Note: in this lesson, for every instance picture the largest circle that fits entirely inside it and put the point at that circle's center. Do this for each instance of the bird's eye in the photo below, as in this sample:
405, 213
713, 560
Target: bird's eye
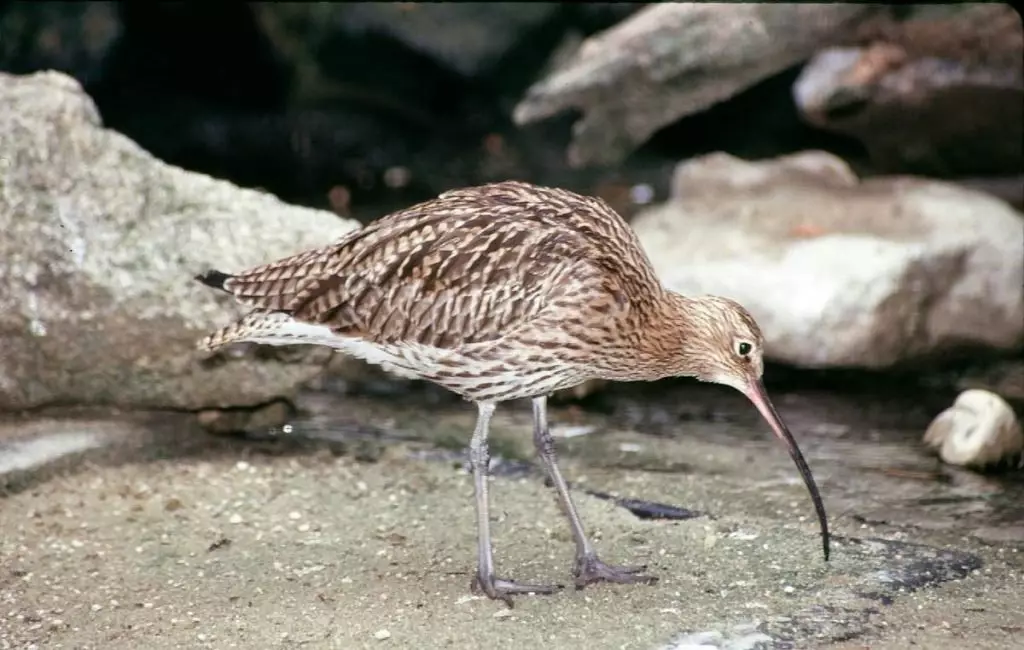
743, 348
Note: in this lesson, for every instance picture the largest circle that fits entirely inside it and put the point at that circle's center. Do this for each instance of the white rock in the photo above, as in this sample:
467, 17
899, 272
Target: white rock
979, 429
100, 242
838, 271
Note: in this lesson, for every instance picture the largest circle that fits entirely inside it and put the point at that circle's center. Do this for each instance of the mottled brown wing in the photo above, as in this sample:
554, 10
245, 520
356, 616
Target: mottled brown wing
464, 267
284, 283
471, 285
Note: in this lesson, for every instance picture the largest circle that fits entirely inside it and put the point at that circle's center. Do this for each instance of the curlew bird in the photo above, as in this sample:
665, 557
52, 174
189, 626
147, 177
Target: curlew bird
500, 292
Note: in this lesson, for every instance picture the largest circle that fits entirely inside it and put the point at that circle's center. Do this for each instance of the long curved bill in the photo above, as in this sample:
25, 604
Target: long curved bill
756, 393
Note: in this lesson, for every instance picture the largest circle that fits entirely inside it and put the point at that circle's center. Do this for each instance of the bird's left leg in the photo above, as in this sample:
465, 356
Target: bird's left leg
588, 567
485, 580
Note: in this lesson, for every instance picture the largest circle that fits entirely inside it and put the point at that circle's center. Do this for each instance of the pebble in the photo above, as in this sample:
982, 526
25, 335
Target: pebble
382, 634
572, 431
979, 429
235, 518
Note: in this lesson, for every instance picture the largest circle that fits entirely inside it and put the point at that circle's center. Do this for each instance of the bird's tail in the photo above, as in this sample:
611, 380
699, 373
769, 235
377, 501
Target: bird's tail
214, 279
257, 326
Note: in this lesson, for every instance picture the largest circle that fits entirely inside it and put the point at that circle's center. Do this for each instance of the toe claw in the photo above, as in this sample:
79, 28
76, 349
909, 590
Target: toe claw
503, 590
590, 569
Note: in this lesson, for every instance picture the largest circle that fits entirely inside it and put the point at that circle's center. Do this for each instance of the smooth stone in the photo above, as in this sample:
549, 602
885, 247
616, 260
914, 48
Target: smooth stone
980, 429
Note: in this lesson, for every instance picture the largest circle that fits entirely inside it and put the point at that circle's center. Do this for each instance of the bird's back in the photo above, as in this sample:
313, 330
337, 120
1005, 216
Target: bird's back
467, 267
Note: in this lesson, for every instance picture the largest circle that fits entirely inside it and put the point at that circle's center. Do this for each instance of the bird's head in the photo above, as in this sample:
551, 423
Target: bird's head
721, 343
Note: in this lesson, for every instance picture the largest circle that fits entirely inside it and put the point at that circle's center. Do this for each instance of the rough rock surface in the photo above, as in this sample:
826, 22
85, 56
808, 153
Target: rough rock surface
670, 60
843, 272
100, 242
939, 96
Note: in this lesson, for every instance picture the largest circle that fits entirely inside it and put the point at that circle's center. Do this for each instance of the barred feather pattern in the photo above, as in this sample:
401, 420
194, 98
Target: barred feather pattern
496, 292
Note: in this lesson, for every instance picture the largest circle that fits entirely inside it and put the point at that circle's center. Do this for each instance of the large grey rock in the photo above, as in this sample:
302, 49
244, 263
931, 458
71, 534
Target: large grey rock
99, 243
673, 59
938, 96
841, 271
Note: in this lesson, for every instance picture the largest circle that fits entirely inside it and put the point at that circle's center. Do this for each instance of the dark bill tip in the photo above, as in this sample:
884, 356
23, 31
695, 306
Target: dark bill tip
757, 394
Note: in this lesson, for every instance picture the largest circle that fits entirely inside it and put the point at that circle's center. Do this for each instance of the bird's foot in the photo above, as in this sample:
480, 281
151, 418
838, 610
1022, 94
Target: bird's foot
589, 568
501, 589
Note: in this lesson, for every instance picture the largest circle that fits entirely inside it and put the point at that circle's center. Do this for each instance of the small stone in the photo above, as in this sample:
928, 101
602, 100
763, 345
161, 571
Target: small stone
980, 429
235, 518
294, 515
382, 634
502, 614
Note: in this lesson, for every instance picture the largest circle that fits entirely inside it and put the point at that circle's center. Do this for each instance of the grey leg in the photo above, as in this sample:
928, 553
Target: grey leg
588, 567
479, 458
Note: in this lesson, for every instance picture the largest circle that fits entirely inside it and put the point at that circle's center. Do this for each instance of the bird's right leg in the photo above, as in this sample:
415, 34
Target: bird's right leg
589, 568
485, 581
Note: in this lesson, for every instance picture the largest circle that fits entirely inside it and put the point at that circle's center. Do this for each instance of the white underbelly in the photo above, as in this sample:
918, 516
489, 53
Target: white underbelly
461, 371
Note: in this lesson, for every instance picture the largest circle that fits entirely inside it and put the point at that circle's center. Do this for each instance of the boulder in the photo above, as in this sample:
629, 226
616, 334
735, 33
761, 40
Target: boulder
843, 272
99, 244
673, 59
937, 95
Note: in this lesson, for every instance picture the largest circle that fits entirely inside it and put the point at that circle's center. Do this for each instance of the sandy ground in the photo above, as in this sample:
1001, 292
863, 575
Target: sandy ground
235, 549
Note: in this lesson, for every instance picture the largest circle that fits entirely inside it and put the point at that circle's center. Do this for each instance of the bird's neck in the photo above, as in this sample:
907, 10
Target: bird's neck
661, 336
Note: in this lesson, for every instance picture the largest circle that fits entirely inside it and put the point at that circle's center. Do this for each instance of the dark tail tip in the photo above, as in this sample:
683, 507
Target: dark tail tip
214, 279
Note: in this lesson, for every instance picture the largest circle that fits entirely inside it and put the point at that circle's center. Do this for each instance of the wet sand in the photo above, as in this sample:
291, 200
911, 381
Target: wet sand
183, 541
